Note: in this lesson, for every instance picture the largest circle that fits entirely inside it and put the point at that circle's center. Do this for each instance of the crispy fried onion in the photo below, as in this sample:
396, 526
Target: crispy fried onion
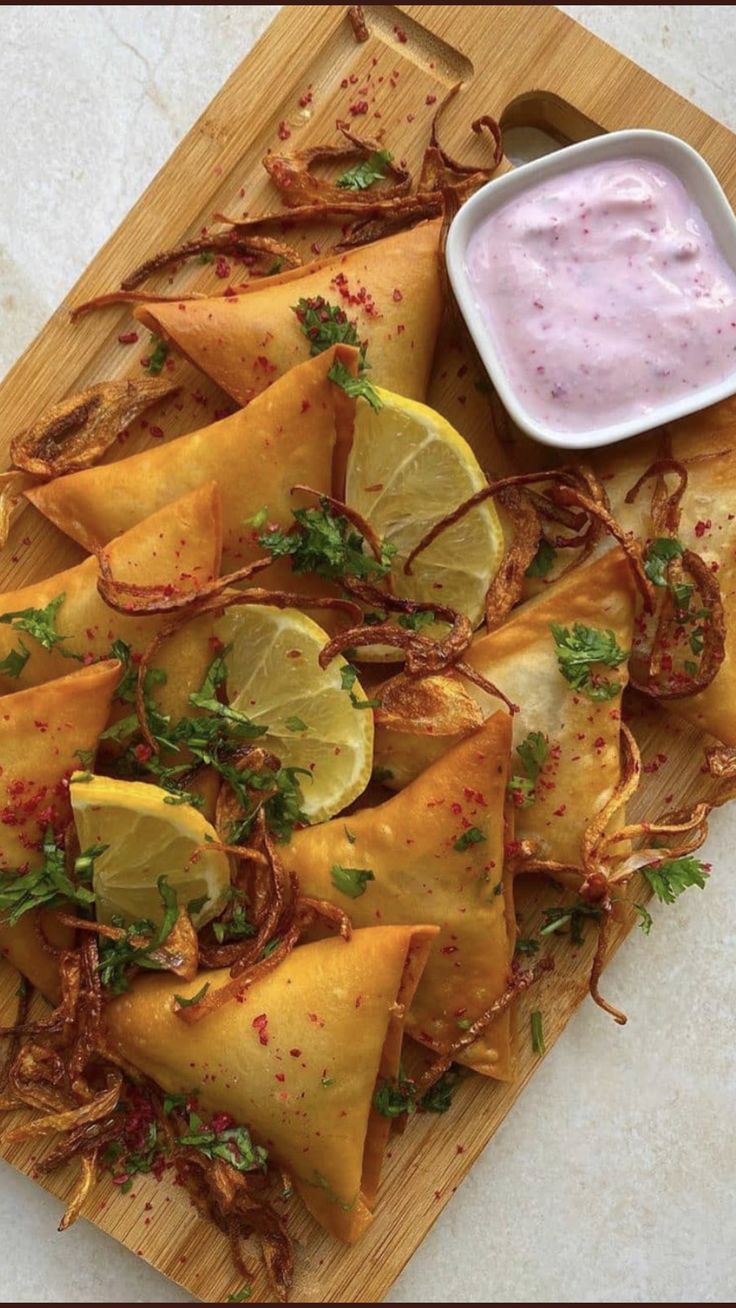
377, 210
653, 670
279, 913
258, 252
292, 173
519, 981
57, 1071
133, 598
76, 432
233, 1201
567, 489
605, 866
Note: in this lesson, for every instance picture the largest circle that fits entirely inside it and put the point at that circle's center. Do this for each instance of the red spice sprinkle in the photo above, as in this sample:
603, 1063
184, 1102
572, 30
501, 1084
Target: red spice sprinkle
295, 1053
143, 753
305, 99
260, 1025
156, 431
358, 107
128, 338
431, 99
284, 131
397, 296
599, 743
280, 1076
222, 267
560, 812
701, 527
401, 35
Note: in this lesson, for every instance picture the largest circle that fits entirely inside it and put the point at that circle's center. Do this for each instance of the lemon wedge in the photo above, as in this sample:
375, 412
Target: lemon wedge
148, 835
407, 469
274, 677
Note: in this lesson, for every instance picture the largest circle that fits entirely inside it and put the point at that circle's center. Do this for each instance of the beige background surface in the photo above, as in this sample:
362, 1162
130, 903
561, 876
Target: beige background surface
612, 1181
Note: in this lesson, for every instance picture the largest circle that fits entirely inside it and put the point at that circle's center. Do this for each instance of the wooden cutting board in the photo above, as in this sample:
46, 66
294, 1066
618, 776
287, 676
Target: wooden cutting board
528, 66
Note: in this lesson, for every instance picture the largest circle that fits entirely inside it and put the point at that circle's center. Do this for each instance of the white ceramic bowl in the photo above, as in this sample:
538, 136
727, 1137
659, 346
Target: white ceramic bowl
701, 184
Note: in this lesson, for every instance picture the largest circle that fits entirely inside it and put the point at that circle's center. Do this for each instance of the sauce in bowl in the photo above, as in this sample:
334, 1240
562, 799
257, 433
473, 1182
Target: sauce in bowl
604, 293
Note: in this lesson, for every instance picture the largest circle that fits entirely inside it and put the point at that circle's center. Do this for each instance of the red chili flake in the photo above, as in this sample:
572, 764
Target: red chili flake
295, 1053
305, 405
701, 527
156, 431
397, 296
222, 1122
560, 812
401, 35
305, 99
344, 84
358, 1001
260, 1025
128, 338
284, 131
280, 1076
222, 267
41, 726
599, 743
431, 99
358, 107
456, 809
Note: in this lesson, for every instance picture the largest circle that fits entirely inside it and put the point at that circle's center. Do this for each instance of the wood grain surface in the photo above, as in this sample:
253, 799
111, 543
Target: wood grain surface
526, 65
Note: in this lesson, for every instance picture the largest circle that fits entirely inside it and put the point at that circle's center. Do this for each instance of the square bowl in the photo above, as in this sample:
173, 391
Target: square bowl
703, 188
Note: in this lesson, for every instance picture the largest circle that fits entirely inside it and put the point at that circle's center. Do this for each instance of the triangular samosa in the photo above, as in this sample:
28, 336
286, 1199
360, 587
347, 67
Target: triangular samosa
435, 851
291, 435
296, 1060
178, 546
390, 290
705, 444
43, 733
581, 763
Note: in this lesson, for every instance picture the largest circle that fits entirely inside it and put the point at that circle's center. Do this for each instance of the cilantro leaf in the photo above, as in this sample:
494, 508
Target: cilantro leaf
326, 545
574, 916
544, 560
351, 881
14, 662
646, 921
355, 387
183, 1002
326, 324
158, 356
362, 175
416, 621
473, 836
41, 625
438, 1099
240, 1296
533, 752
670, 878
295, 724
579, 650
526, 947
50, 885
140, 941
520, 791
232, 1145
661, 552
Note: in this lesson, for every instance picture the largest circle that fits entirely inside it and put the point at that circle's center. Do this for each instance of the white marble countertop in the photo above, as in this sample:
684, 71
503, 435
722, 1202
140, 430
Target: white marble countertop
612, 1180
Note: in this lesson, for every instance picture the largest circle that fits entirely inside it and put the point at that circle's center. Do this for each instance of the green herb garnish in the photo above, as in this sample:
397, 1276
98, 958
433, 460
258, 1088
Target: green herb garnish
362, 175
158, 356
326, 324
544, 560
670, 878
183, 1002
351, 881
356, 387
232, 1145
473, 836
579, 650
49, 886
537, 1032
326, 545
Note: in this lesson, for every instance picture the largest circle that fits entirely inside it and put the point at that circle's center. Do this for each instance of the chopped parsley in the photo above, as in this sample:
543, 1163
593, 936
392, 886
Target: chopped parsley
356, 387
326, 324
327, 545
659, 554
236, 926
41, 625
240, 1296
158, 356
533, 752
537, 1032
14, 662
473, 836
362, 175
49, 886
183, 1002
396, 1096
380, 775
670, 878
140, 941
351, 881
580, 650
526, 947
416, 621
543, 561
646, 921
231, 1145
295, 724
438, 1099
574, 917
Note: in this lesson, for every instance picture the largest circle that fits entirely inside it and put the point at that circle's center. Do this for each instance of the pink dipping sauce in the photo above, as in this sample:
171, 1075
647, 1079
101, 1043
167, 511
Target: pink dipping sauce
605, 294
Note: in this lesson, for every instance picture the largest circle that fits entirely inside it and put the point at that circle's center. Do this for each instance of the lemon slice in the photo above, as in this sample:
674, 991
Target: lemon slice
147, 836
274, 677
407, 469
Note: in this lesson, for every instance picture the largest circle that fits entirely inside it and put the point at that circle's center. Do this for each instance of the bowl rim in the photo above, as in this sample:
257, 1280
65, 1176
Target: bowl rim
701, 184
